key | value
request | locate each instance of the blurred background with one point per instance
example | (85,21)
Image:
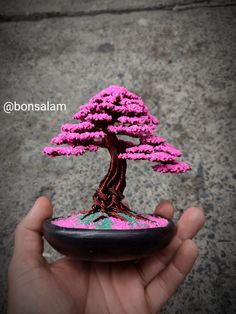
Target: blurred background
(179,56)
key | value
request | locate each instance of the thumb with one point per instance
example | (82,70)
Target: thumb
(28,234)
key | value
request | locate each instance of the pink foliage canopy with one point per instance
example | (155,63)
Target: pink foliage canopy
(115,110)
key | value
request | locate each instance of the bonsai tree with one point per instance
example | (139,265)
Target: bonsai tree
(114,112)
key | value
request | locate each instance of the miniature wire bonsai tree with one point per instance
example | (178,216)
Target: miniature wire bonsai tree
(113,112)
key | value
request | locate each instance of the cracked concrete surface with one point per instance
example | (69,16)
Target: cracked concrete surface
(33,10)
(182,62)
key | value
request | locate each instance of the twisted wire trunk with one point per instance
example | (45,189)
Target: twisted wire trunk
(108,198)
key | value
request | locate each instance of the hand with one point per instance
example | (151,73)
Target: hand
(69,286)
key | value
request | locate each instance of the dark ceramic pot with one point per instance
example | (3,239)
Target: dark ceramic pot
(107,245)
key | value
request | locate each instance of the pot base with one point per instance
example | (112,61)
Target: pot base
(107,245)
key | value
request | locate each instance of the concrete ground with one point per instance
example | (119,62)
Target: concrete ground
(180,57)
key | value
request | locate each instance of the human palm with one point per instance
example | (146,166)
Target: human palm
(70,286)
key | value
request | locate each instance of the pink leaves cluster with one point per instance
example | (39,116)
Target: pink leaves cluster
(175,167)
(160,156)
(139,120)
(147,148)
(155,149)
(83,126)
(133,130)
(118,106)
(98,117)
(73,138)
(153,140)
(116,110)
(66,151)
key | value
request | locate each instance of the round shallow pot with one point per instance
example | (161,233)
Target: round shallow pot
(107,245)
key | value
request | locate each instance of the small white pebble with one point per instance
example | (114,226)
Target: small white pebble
(142,22)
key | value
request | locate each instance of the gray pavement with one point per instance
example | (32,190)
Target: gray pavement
(60,7)
(182,62)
